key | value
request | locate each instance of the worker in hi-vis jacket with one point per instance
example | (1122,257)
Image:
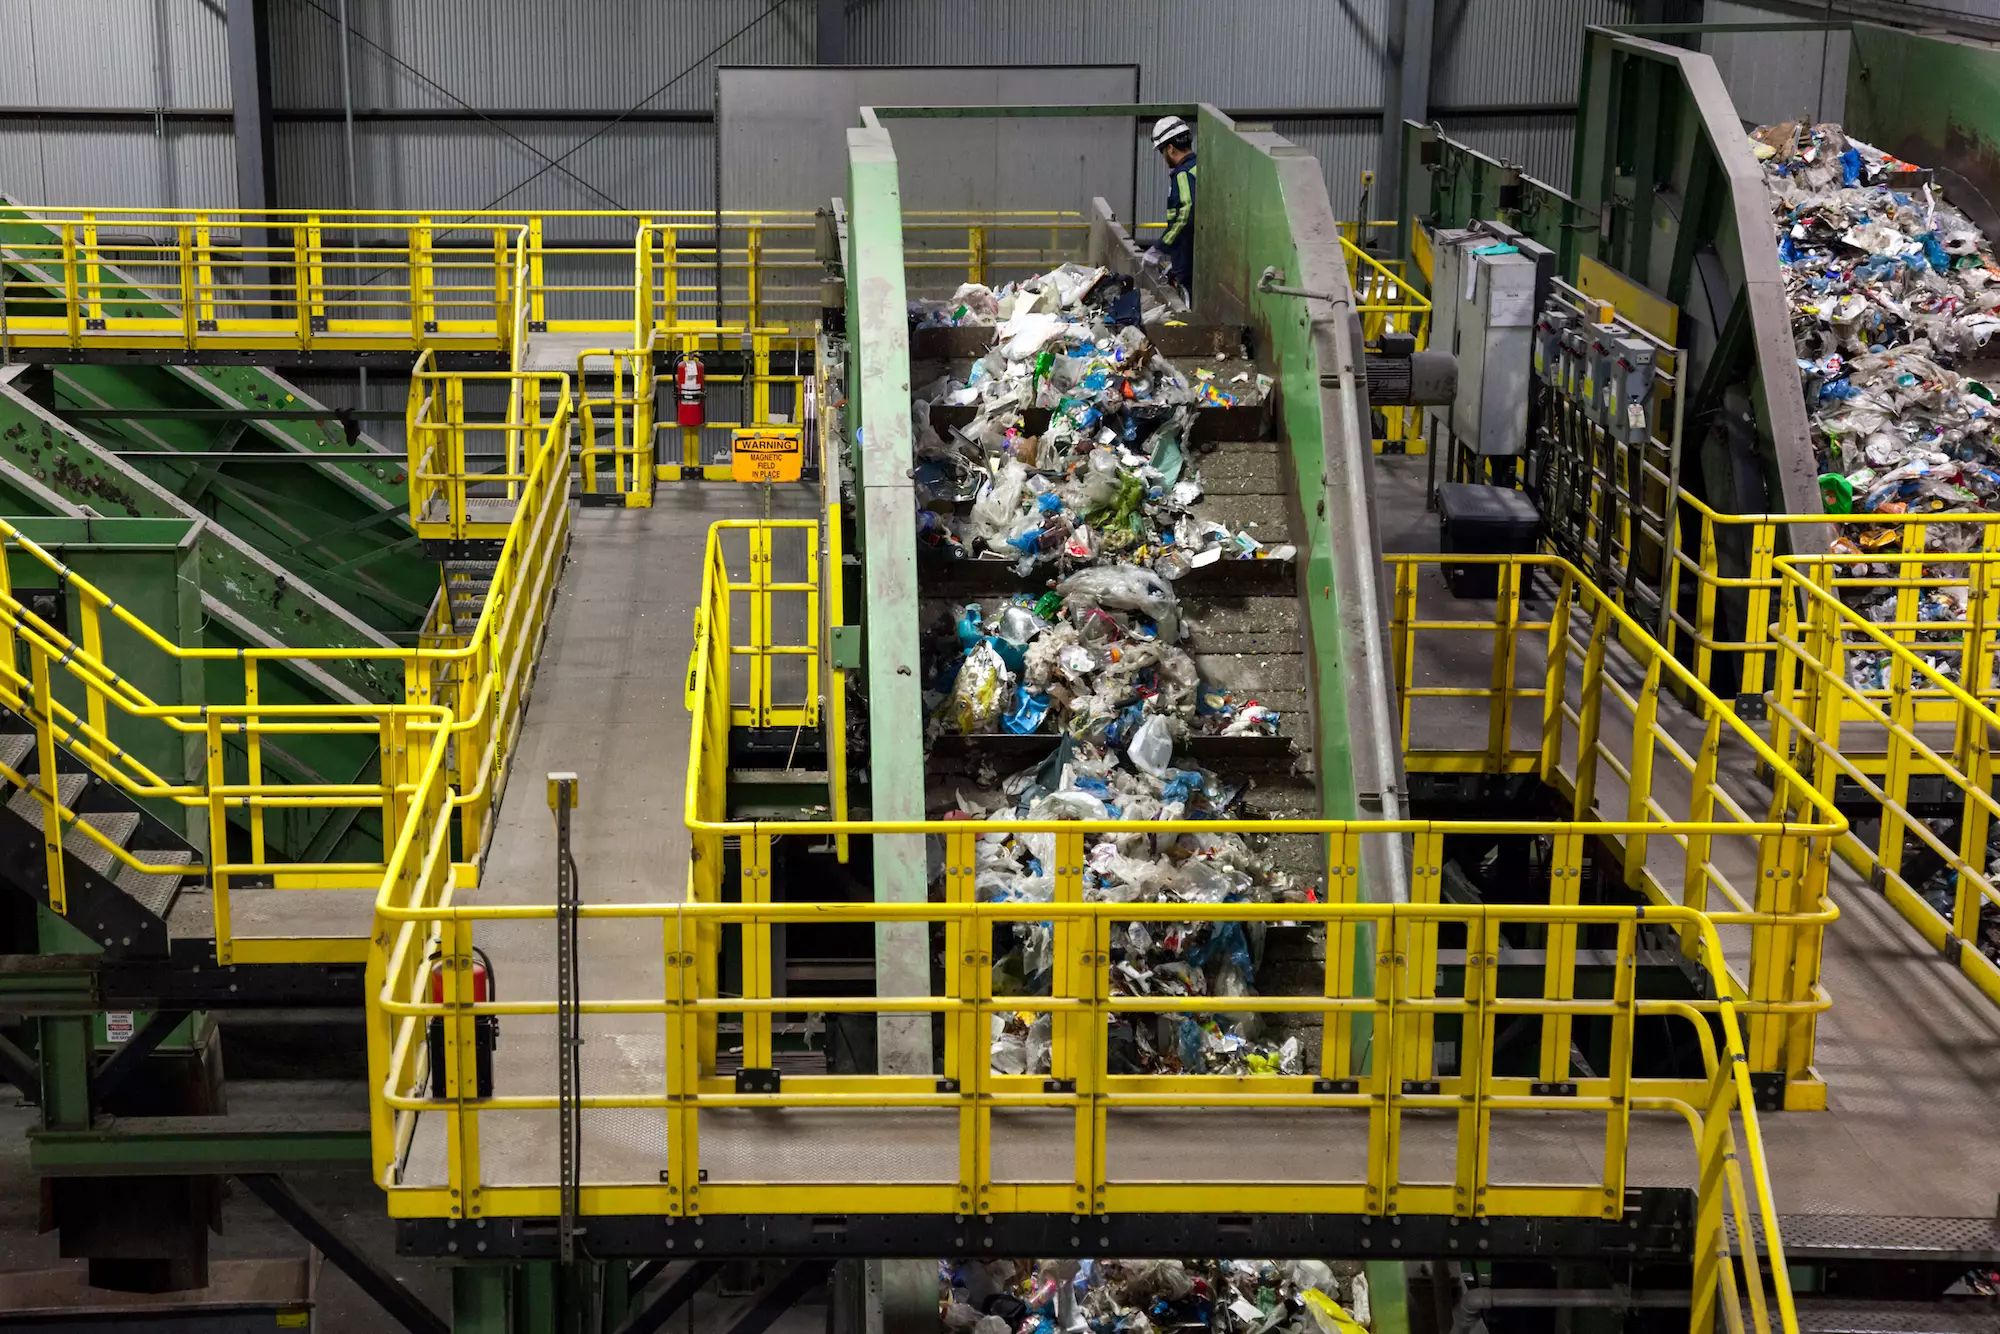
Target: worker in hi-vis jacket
(1175,142)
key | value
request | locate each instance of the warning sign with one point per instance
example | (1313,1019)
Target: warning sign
(118,1026)
(767,456)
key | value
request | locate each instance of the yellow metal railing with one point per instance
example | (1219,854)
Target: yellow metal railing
(1388,302)
(1920,729)
(629,403)
(1400,996)
(362,280)
(1607,741)
(1755,542)
(467,689)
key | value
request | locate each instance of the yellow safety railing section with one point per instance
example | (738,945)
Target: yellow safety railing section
(628,404)
(760,605)
(1726,635)
(1419,1115)
(461,701)
(1388,302)
(372,280)
(1856,703)
(1618,743)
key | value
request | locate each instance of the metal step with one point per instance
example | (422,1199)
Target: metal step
(118,826)
(156,893)
(28,806)
(15,748)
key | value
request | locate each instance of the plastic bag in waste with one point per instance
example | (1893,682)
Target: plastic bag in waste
(998,506)
(1329,1315)
(980,691)
(1040,1044)
(1126,588)
(1008,1051)
(1030,708)
(1152,746)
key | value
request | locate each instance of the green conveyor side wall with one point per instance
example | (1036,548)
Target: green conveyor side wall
(1935,101)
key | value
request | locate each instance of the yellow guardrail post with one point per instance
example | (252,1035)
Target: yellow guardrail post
(538,309)
(1475,1120)
(1559,966)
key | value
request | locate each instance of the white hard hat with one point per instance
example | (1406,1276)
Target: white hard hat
(1168,128)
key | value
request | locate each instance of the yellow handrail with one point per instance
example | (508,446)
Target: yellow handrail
(421,923)
(1817,711)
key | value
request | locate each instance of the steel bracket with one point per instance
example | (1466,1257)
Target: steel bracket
(758,1079)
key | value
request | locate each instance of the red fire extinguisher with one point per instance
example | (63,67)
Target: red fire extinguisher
(689,391)
(485,1027)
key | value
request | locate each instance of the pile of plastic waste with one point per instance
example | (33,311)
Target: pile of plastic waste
(1081,781)
(1107,494)
(1894,294)
(1143,1296)
(1111,478)
(1095,659)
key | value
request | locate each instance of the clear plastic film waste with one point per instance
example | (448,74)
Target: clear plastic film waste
(1895,300)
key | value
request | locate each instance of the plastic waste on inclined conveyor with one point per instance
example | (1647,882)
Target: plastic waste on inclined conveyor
(1895,297)
(1152,1297)
(1104,502)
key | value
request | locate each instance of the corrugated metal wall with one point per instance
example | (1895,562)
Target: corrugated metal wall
(1775,76)
(1311,56)
(151,54)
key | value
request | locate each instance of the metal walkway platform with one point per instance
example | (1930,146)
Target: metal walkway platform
(1909,1052)
(608,705)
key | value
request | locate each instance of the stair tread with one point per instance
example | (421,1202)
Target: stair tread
(16,747)
(153,891)
(28,806)
(118,826)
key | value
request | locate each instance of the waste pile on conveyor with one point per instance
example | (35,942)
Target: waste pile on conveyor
(1144,1296)
(1895,299)
(1098,516)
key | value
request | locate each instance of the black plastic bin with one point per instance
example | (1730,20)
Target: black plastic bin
(1483,520)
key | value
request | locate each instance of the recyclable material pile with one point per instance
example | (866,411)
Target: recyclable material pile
(1894,295)
(1103,505)
(1110,479)
(1082,781)
(1143,1296)
(1094,659)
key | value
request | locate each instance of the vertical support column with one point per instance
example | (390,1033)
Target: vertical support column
(1407,67)
(879,325)
(256,161)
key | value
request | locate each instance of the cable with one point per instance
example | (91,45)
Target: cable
(449,95)
(640,105)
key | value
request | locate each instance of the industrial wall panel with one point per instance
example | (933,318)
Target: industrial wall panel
(449,165)
(1513,52)
(1773,76)
(529,53)
(1289,53)
(114,164)
(113,53)
(1542,145)
(784,138)
(1345,149)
